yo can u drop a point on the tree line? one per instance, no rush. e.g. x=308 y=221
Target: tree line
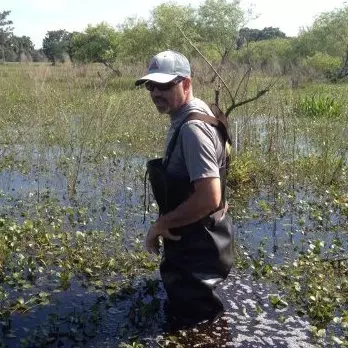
x=217 y=28
x=11 y=46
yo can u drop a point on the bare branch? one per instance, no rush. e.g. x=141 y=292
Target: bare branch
x=241 y=81
x=108 y=65
x=234 y=104
x=257 y=96
x=206 y=60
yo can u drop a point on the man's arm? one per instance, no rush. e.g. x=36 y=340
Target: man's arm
x=205 y=199
x=201 y=162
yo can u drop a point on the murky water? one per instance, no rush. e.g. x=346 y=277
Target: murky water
x=112 y=191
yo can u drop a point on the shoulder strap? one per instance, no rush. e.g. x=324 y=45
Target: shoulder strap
x=172 y=143
x=218 y=121
x=214 y=121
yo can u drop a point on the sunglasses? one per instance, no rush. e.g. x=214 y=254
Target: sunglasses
x=150 y=86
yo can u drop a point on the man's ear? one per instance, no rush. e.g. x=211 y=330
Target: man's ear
x=186 y=84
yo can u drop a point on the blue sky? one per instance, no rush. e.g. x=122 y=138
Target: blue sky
x=35 y=17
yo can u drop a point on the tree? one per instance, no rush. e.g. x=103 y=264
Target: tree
x=21 y=46
x=268 y=55
x=57 y=45
x=247 y=35
x=98 y=43
x=5 y=27
x=269 y=33
x=219 y=22
x=328 y=35
x=166 y=19
x=39 y=56
x=5 y=31
x=136 y=42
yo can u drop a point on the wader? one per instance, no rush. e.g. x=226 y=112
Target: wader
x=193 y=266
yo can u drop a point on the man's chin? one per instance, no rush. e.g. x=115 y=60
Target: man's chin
x=162 y=109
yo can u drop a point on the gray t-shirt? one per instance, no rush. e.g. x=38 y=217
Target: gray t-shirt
x=199 y=151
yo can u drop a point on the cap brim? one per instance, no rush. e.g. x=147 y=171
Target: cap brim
x=156 y=77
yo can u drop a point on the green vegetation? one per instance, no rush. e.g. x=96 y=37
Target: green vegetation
x=12 y=48
x=319 y=106
x=217 y=28
x=74 y=141
x=289 y=159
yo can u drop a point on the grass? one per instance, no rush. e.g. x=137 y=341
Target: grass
x=46 y=99
x=82 y=124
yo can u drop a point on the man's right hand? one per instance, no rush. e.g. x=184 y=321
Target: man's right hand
x=152 y=241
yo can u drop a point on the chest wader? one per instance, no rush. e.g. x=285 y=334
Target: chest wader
x=193 y=266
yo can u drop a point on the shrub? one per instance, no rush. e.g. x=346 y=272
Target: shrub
x=318 y=106
x=242 y=170
x=322 y=63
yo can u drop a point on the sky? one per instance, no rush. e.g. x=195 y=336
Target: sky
x=34 y=18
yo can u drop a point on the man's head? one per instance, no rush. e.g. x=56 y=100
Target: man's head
x=168 y=80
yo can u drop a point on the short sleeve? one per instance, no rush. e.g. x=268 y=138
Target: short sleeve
x=199 y=150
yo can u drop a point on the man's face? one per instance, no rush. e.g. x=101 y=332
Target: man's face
x=168 y=97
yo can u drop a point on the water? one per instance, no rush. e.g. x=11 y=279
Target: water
x=111 y=190
x=111 y=194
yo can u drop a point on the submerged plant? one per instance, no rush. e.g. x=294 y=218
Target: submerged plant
x=316 y=283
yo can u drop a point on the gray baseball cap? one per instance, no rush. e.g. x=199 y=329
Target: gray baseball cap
x=165 y=67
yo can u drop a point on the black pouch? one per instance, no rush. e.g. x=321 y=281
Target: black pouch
x=157 y=176
x=168 y=191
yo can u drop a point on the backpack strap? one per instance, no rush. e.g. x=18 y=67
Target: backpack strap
x=219 y=121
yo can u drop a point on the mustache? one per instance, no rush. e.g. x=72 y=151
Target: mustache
x=159 y=99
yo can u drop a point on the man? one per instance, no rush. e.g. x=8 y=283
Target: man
x=189 y=185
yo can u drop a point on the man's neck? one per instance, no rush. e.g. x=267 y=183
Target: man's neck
x=175 y=112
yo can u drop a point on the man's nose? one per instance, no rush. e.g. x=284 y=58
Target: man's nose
x=155 y=91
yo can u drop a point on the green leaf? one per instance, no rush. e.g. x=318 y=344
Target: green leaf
x=277 y=302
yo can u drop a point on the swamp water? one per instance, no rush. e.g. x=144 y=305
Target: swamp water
x=88 y=310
